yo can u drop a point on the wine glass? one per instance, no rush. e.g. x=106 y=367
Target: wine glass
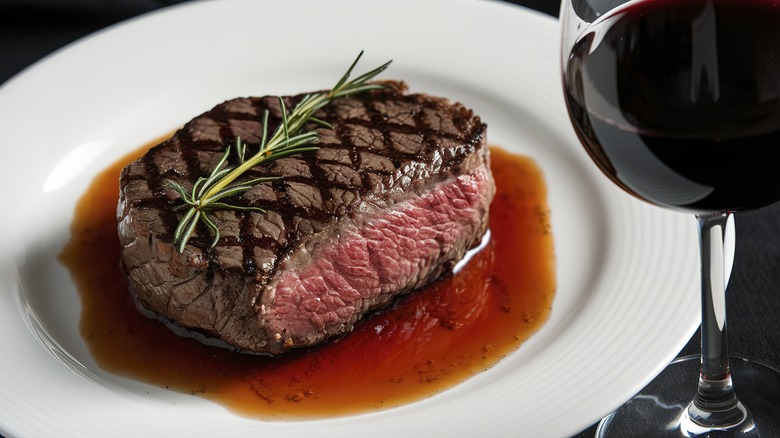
x=678 y=103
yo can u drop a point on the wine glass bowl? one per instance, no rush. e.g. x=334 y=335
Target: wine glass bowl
x=678 y=103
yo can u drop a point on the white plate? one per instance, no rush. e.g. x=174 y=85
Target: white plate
x=627 y=272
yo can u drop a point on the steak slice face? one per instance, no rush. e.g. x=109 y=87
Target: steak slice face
x=399 y=190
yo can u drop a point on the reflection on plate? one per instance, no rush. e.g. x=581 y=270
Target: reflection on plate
x=627 y=299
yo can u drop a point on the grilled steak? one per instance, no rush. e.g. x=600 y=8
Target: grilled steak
x=397 y=193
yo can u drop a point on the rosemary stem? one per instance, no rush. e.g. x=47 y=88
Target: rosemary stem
x=276 y=140
x=257 y=159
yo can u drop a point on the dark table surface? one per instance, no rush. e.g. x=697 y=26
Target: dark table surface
x=30 y=29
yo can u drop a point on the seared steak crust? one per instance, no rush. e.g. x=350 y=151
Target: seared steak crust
x=397 y=193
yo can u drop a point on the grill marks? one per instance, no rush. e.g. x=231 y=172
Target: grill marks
x=316 y=186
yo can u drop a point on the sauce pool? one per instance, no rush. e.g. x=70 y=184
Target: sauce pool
x=424 y=344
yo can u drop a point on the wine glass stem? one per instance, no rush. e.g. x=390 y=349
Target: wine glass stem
x=716 y=404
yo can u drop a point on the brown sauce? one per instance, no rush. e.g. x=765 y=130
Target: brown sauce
x=423 y=345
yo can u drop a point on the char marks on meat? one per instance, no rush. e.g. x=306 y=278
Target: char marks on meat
x=399 y=190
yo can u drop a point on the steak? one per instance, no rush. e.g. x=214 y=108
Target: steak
x=397 y=193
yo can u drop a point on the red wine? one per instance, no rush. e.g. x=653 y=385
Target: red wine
x=678 y=101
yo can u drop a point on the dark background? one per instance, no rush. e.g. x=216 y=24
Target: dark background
x=30 y=29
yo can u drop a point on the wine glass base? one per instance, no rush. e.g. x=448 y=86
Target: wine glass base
x=660 y=409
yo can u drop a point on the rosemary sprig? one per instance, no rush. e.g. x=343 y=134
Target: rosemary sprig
x=211 y=192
